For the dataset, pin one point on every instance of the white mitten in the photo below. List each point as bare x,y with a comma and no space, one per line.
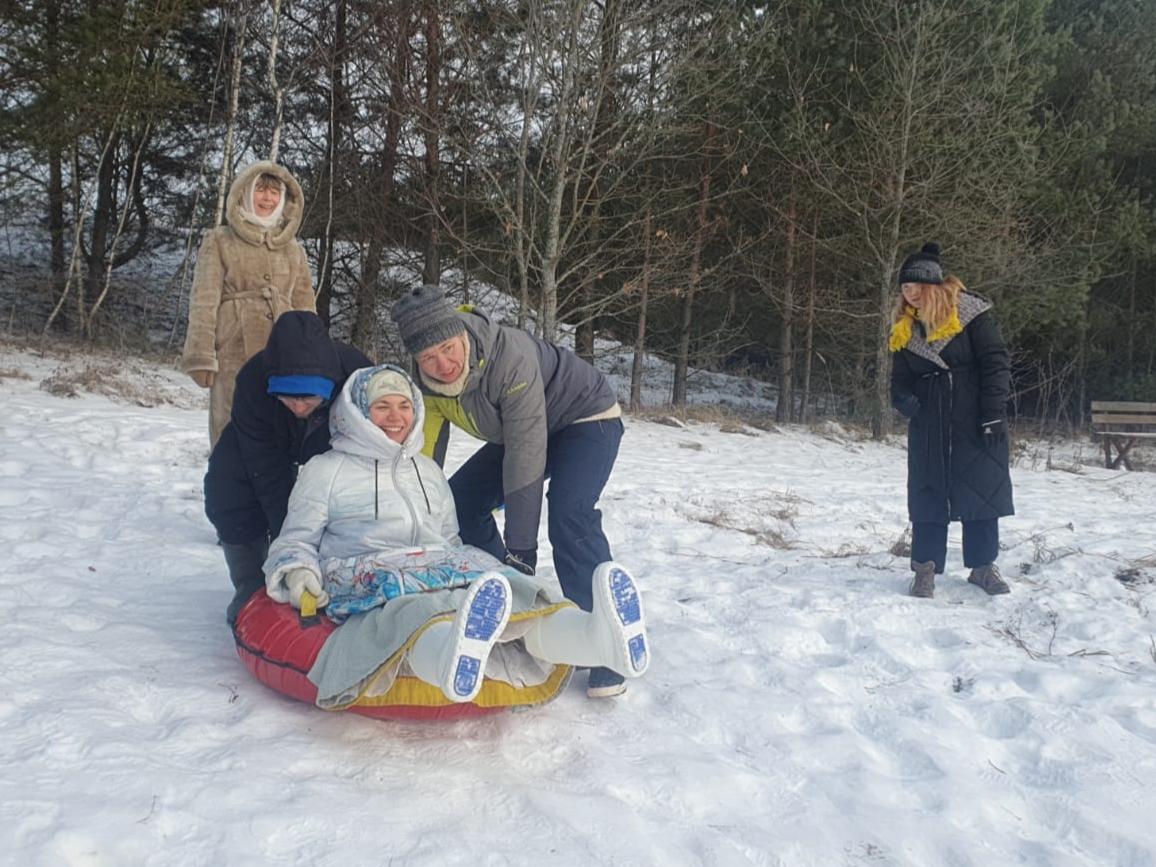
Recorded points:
297,581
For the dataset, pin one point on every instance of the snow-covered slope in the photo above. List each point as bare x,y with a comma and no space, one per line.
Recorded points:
801,709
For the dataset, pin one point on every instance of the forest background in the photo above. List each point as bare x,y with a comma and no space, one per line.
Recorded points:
728,185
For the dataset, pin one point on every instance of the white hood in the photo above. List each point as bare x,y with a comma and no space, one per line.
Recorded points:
352,432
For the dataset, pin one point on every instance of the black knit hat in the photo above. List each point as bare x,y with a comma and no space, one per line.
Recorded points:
922,267
425,318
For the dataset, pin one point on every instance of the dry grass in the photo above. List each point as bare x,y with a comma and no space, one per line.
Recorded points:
107,347
840,430
901,547
755,518
120,382
1015,631
847,549
82,367
739,428
102,379
680,416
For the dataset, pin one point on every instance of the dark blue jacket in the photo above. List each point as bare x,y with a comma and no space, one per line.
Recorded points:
254,465
952,473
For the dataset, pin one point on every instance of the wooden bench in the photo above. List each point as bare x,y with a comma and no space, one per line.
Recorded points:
1122,424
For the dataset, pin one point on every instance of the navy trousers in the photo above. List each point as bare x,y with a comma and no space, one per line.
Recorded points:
980,543
579,459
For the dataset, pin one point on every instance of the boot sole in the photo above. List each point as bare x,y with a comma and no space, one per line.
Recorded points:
606,691
618,588
479,624
998,591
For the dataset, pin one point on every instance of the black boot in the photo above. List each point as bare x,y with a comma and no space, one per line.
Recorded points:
244,563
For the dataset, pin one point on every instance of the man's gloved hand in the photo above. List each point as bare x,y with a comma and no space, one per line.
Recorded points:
994,432
909,406
297,581
524,561
203,378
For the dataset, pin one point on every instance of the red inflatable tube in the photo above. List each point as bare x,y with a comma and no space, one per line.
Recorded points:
279,650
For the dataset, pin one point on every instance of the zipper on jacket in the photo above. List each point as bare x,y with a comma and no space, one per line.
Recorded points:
397,487
424,493
950,431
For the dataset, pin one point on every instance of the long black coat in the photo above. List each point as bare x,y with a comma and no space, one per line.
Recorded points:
952,474
254,465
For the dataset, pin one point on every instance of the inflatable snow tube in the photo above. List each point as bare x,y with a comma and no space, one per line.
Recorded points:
279,647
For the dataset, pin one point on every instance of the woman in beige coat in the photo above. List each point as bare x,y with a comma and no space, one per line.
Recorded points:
248,273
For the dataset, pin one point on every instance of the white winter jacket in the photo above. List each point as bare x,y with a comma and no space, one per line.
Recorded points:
368,495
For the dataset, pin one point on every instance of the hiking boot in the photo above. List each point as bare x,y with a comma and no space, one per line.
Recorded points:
989,580
923,584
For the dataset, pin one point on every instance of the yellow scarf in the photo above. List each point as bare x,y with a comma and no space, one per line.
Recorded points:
901,330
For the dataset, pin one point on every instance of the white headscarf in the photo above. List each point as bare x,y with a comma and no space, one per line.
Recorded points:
249,212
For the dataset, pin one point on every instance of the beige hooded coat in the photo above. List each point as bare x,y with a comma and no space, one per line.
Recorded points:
246,277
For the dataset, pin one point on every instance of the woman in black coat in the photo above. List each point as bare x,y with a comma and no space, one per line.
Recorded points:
950,378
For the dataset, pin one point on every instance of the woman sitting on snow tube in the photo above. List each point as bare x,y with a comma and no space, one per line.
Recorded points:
372,533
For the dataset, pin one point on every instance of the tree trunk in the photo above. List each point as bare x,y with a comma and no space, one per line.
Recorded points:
1152,343
275,88
643,301
785,404
338,120
880,421
608,38
530,93
56,217
231,116
881,413
1131,370
682,359
102,213
365,325
431,272
809,338
55,168
563,122
464,260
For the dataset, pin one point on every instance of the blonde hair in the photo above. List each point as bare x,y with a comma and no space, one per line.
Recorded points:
939,303
266,181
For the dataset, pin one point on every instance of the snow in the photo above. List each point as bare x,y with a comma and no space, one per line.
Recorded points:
800,708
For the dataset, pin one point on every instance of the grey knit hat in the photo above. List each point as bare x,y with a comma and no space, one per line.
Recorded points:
425,318
922,267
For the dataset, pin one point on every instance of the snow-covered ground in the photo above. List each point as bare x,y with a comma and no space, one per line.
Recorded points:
800,710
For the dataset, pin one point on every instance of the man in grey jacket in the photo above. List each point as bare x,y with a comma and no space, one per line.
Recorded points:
543,413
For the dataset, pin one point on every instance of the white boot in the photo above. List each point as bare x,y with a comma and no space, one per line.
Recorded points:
453,656
613,635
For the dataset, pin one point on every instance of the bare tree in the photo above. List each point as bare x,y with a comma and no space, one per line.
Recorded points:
932,139
275,88
431,123
393,29
240,18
